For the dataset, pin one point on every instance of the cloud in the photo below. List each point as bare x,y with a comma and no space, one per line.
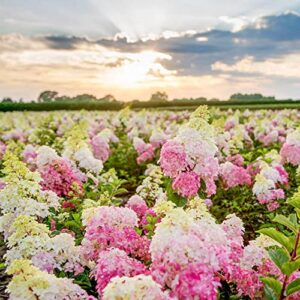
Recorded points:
194,53
259,51
279,67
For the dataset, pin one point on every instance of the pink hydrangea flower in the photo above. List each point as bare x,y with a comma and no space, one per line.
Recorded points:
208,170
100,148
236,159
233,175
284,176
59,177
146,155
145,151
269,198
173,158
115,262
138,205
187,184
114,227
291,154
196,282
45,261
29,154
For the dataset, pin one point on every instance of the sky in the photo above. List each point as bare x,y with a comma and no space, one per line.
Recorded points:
131,49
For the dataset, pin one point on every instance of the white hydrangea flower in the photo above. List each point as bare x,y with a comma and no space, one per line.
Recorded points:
46,155
140,287
293,138
262,185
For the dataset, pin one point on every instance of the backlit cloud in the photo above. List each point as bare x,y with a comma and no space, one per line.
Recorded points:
239,53
281,67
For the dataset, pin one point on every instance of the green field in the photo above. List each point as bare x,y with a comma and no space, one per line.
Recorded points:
170,105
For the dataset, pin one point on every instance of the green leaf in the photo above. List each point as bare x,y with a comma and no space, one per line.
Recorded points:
286,222
174,197
293,287
272,283
290,267
279,257
149,218
76,217
72,224
138,231
270,293
278,237
293,219
295,201
121,190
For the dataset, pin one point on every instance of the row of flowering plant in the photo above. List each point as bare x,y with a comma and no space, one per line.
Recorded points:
151,205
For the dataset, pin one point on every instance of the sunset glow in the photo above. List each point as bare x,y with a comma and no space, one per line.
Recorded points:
176,48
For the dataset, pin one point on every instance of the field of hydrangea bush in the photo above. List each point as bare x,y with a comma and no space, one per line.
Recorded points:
151,205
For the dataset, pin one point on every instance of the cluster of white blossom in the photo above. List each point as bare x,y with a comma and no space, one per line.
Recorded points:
22,194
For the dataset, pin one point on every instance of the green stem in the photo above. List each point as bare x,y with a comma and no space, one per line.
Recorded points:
286,277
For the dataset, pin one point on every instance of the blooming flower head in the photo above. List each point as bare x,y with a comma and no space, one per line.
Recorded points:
29,282
115,263
262,184
290,151
100,148
138,205
140,287
233,175
108,227
187,184
173,158
183,247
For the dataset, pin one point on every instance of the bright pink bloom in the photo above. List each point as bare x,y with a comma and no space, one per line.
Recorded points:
187,184
173,158
284,176
60,178
233,175
146,155
115,262
138,205
291,154
197,281
270,198
100,148
253,169
145,151
114,227
236,159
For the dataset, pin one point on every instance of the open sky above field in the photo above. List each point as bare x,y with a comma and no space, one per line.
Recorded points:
130,49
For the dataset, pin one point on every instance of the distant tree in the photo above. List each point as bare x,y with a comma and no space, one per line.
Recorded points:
134,102
62,98
7,100
85,98
47,96
250,97
159,97
108,98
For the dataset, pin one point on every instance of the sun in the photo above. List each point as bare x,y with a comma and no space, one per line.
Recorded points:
140,68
